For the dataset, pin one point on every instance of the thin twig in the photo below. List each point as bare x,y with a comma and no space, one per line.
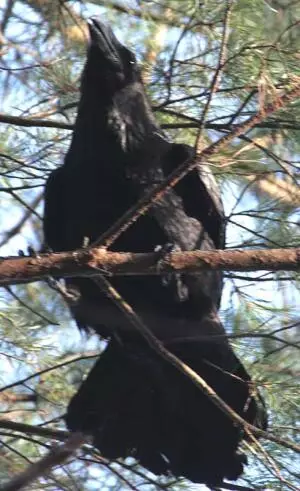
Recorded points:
67,361
41,123
31,309
34,430
217,75
56,456
237,487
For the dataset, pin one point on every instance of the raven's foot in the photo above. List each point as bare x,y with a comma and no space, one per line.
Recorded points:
163,252
31,252
173,281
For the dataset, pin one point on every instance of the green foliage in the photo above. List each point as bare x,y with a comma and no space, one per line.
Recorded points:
43,48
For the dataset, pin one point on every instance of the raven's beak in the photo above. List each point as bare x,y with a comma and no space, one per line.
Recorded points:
94,28
102,38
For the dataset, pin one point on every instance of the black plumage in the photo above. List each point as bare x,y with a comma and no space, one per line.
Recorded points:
133,402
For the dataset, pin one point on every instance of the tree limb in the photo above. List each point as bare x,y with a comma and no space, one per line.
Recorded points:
42,123
11,397
279,189
95,261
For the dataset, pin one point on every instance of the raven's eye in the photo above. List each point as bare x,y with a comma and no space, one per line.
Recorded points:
129,56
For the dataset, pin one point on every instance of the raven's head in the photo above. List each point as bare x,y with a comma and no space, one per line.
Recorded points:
110,65
113,96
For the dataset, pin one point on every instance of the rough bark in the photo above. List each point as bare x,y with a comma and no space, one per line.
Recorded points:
95,261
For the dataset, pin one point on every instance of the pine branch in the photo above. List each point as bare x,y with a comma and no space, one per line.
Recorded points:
171,19
66,361
276,188
16,229
279,189
60,17
50,123
34,430
94,261
56,456
30,122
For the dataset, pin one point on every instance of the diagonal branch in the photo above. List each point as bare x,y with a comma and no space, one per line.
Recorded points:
150,197
56,456
67,361
196,379
217,75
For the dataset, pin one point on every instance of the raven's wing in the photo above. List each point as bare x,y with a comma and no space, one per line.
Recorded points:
199,192
201,202
54,222
165,303
134,403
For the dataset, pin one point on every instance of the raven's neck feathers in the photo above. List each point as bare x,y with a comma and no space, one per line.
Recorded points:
122,123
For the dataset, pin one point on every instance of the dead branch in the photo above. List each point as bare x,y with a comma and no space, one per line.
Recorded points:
11,397
95,261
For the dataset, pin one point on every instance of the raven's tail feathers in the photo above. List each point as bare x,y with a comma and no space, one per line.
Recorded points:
135,404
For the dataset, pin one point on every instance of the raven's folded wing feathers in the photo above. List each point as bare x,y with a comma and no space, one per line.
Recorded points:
54,219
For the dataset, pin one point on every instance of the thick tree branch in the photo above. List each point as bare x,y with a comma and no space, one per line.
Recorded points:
95,261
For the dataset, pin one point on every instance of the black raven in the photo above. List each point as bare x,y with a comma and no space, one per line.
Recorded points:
134,403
